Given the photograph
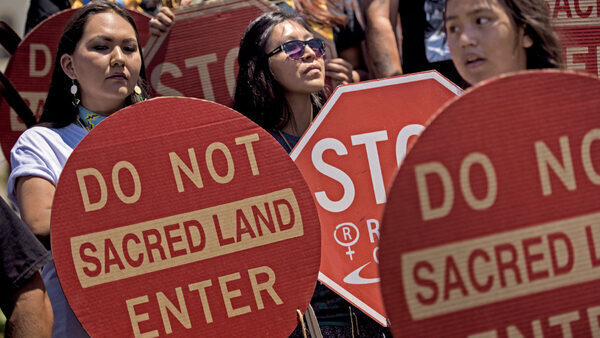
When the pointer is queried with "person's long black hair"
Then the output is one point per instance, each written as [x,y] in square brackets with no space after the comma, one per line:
[258,95]
[59,110]
[534,15]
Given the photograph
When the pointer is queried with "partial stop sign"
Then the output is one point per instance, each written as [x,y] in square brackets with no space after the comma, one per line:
[349,156]
[198,56]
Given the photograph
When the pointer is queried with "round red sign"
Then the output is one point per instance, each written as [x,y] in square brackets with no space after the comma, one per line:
[182,216]
[492,226]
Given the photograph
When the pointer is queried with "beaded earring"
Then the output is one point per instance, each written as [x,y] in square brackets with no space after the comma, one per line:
[138,91]
[74,90]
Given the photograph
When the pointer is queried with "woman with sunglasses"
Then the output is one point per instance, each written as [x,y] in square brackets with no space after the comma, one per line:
[336,20]
[281,77]
[280,87]
[98,70]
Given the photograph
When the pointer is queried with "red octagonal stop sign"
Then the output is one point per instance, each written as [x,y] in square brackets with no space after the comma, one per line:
[492,226]
[198,57]
[348,157]
[192,222]
[30,69]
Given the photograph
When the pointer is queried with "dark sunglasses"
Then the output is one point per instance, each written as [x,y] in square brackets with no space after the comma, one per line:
[295,48]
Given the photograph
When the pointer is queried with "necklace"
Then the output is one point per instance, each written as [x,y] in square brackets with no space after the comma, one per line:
[284,139]
[283,136]
[88,119]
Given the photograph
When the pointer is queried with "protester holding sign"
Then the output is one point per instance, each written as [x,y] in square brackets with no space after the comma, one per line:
[281,77]
[280,87]
[337,21]
[98,65]
[489,38]
[343,29]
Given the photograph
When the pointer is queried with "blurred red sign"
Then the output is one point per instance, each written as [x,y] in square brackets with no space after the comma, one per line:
[349,156]
[198,57]
[30,70]
[492,226]
[196,222]
[578,23]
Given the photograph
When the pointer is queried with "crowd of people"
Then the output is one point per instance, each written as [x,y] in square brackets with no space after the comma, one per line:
[99,69]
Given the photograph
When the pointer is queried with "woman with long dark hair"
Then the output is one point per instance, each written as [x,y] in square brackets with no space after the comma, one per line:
[280,87]
[338,21]
[281,77]
[488,38]
[98,70]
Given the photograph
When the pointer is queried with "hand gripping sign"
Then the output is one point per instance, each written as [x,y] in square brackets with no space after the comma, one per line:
[30,69]
[180,216]
[198,57]
[492,226]
[348,157]
[578,22]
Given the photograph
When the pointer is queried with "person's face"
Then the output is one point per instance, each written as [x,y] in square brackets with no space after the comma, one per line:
[483,40]
[106,62]
[303,76]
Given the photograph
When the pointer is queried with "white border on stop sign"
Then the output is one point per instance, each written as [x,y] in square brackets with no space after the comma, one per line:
[427,75]
[368,85]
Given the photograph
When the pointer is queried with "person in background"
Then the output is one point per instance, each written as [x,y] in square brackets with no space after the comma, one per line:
[176,3]
[98,70]
[488,38]
[280,87]
[423,40]
[162,21]
[23,299]
[134,5]
[41,9]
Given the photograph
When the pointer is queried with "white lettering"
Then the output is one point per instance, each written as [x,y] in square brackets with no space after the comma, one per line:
[546,159]
[201,63]
[47,62]
[333,173]
[427,211]
[370,141]
[155,78]
[89,206]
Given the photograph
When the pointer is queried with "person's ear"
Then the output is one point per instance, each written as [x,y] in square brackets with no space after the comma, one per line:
[66,63]
[526,40]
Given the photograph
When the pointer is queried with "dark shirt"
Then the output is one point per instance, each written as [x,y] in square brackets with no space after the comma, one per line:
[414,57]
[333,312]
[21,255]
[41,9]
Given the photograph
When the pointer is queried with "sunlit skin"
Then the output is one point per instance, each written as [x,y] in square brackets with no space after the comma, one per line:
[306,75]
[484,41]
[299,78]
[106,63]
